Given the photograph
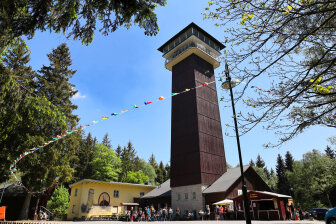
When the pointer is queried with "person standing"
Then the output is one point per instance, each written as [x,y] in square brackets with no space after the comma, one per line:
[170,214]
[217,212]
[292,211]
[207,212]
[299,209]
[221,212]
[288,216]
[177,216]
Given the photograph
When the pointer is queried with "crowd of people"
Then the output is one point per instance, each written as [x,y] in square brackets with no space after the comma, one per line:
[164,214]
[291,214]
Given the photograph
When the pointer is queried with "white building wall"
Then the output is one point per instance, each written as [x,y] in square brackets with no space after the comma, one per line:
[189,204]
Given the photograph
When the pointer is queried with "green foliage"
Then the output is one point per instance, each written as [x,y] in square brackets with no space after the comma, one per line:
[106,141]
[127,161]
[289,161]
[260,162]
[282,184]
[76,19]
[290,47]
[59,201]
[270,180]
[83,165]
[330,153]
[313,179]
[137,177]
[148,170]
[105,164]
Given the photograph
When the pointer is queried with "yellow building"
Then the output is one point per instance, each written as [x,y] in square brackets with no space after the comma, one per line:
[92,198]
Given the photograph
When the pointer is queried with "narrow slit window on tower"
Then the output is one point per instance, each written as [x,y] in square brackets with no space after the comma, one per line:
[186,196]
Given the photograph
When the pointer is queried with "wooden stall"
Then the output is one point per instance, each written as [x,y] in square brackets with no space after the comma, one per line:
[264,205]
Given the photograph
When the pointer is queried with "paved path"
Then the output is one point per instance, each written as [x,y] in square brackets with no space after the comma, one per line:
[167,222]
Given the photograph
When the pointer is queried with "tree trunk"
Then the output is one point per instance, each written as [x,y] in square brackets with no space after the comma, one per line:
[25,207]
[36,208]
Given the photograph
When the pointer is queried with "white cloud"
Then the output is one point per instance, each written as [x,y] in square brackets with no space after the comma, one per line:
[78,95]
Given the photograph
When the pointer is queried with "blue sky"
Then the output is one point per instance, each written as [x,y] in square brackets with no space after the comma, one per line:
[126,68]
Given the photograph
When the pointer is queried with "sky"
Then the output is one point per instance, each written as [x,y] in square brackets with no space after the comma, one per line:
[126,68]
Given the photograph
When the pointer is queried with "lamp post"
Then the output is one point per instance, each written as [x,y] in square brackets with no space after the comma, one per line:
[228,85]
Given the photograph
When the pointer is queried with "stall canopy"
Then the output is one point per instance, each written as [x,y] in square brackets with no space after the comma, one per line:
[224,202]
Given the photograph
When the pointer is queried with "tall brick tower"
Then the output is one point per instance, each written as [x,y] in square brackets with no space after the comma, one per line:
[197,149]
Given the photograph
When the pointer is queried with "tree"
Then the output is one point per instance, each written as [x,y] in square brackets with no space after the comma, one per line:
[31,120]
[54,82]
[329,152]
[167,171]
[148,170]
[160,173]
[106,141]
[260,162]
[76,19]
[127,161]
[118,151]
[252,163]
[282,184]
[153,162]
[289,161]
[59,202]
[318,172]
[270,180]
[137,177]
[105,164]
[290,46]
[83,165]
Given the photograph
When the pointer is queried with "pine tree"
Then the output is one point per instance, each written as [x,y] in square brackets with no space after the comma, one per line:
[260,162]
[106,141]
[160,173]
[289,161]
[54,83]
[268,175]
[85,156]
[282,186]
[56,162]
[167,169]
[272,172]
[118,151]
[252,163]
[136,164]
[330,153]
[127,157]
[153,162]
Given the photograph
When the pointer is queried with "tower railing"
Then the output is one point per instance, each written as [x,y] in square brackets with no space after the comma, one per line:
[188,46]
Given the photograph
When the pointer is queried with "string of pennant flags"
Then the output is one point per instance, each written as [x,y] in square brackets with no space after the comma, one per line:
[13,167]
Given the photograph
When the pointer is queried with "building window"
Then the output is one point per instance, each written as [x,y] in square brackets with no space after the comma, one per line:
[76,191]
[116,194]
[142,194]
[73,209]
[240,192]
[186,196]
[178,196]
[193,195]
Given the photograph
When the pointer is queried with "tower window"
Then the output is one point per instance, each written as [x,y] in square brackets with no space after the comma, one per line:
[186,196]
[76,191]
[178,196]
[193,195]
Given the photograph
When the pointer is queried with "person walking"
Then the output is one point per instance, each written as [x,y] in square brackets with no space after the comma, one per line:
[221,212]
[288,216]
[170,214]
[299,209]
[207,212]
[177,214]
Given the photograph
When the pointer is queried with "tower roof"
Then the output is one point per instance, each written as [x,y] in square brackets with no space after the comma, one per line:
[221,46]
